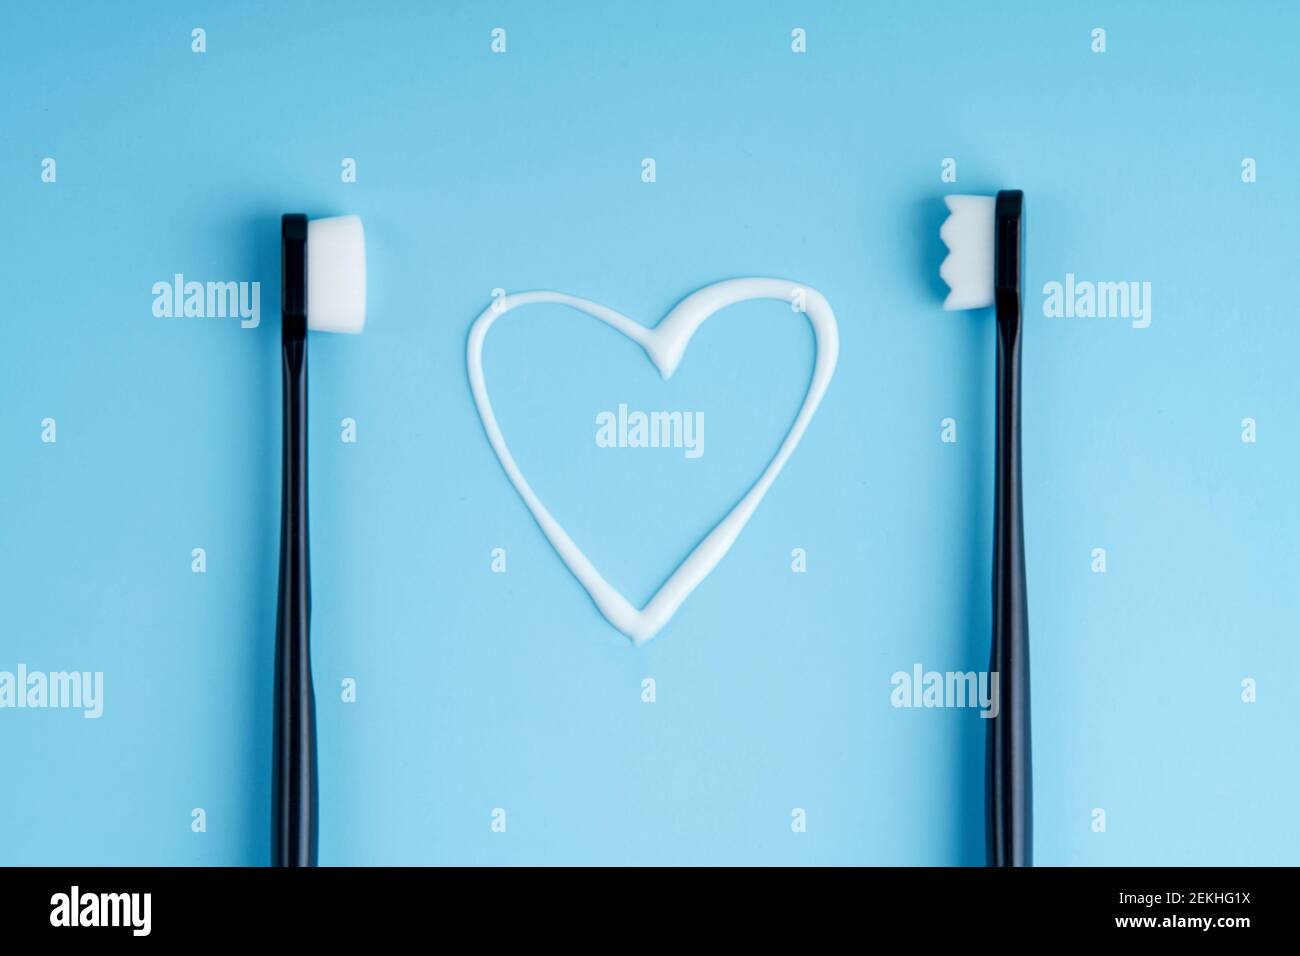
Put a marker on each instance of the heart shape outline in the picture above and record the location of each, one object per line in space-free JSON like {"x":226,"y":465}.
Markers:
{"x":664,"y":344}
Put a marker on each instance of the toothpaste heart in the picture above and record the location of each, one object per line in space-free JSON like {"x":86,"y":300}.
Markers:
{"x":664,"y":345}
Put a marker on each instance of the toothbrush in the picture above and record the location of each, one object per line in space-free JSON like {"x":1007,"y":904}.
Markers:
{"x":984,"y":267}
{"x":323,"y":287}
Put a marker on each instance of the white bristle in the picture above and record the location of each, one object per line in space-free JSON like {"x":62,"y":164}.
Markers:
{"x":336,"y":275}
{"x":968,"y":268}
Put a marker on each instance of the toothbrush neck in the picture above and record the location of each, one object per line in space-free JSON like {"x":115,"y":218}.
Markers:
{"x":1008,"y":309}
{"x":293,"y":328}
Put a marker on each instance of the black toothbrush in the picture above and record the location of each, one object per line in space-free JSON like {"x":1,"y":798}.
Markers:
{"x":323,"y":288}
{"x":1010,"y":776}
{"x":294,"y":800}
{"x":985,"y":267}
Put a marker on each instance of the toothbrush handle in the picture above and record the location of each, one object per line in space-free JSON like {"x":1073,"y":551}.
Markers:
{"x":294,"y":810}
{"x":1010,"y":781}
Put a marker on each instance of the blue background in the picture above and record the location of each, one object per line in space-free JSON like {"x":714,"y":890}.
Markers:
{"x":479,"y":690}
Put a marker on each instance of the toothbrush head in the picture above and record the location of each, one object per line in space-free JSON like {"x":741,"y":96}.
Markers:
{"x":968,"y":268}
{"x":336,"y":275}
{"x":984,"y":235}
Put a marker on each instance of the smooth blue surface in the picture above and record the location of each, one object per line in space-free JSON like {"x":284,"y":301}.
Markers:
{"x":479,"y":690}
